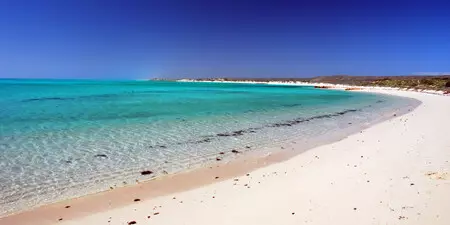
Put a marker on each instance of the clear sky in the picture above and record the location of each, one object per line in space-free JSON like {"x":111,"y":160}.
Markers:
{"x":215,"y":38}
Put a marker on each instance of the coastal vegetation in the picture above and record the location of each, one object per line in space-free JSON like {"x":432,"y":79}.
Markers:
{"x":441,"y":83}
{"x":410,"y":82}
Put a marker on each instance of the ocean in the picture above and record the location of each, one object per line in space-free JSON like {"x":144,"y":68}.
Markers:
{"x":61,"y":139}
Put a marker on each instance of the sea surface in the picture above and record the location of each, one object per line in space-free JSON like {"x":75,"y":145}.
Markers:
{"x":66,"y":138}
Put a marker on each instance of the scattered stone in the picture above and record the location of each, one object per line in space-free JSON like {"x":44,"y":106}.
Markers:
{"x":236,"y":179}
{"x":146,"y":172}
{"x":156,"y":213}
{"x":221,"y":153}
{"x":247,"y":146}
{"x":412,"y":184}
{"x":137,"y":200}
{"x":293,"y":213}
{"x":354,"y":208}
{"x":218,"y":159}
{"x":213,"y":196}
{"x":67,"y":206}
{"x":248,"y":174}
{"x":235,"y":151}
{"x":131,"y":222}
{"x":216,"y":177}
{"x":148,"y":217}
{"x":60,"y":219}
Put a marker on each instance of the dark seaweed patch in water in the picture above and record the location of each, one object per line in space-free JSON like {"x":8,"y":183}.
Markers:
{"x":291,"y":105}
{"x":101,"y":156}
{"x":46,"y":99}
{"x":288,"y":123}
{"x":71,"y":98}
{"x":301,"y":120}
{"x":238,"y":132}
{"x":202,"y":141}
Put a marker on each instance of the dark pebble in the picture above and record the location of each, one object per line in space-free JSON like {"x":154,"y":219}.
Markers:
{"x":137,"y":200}
{"x":131,"y":222}
{"x":235,"y":151}
{"x":146,"y":172}
{"x":67,"y":206}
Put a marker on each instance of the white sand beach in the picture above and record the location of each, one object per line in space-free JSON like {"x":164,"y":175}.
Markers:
{"x":395,"y":172}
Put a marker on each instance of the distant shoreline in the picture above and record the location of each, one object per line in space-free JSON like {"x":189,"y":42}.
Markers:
{"x":347,"y":87}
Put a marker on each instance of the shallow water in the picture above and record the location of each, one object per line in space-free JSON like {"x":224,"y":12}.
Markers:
{"x":62,"y":139}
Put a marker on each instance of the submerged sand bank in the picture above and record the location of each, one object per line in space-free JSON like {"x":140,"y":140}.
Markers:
{"x":393,"y":172}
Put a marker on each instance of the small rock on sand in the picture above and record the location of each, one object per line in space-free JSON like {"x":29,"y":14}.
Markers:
{"x":146,"y":172}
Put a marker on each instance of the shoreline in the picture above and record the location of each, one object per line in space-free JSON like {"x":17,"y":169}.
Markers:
{"x":377,"y":89}
{"x":96,"y":204}
{"x":243,"y":163}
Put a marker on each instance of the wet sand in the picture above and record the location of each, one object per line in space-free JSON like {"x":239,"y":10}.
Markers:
{"x":393,"y":172}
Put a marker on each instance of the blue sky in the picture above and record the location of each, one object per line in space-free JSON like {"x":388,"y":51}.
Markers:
{"x":199,"y":38}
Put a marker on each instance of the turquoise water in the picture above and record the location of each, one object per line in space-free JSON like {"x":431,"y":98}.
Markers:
{"x":61,"y":139}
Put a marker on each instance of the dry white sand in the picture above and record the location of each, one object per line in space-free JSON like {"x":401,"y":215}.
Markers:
{"x":396,"y":172}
